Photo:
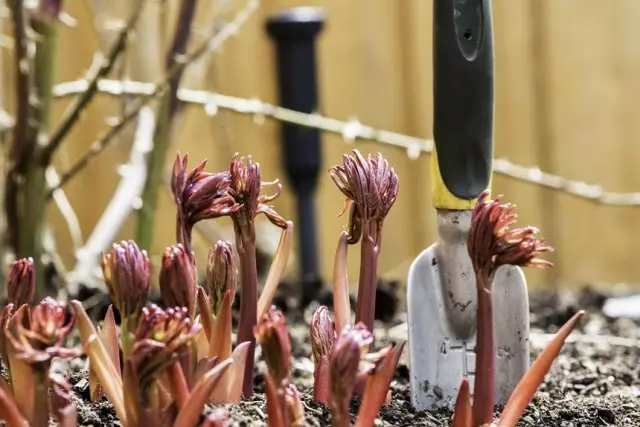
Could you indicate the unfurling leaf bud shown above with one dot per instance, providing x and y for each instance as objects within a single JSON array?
[
  {"x": 178, "y": 279},
  {"x": 323, "y": 333},
  {"x": 273, "y": 336},
  {"x": 245, "y": 188},
  {"x": 492, "y": 243},
  {"x": 21, "y": 286},
  {"x": 198, "y": 195},
  {"x": 347, "y": 366},
  {"x": 41, "y": 337},
  {"x": 126, "y": 271},
  {"x": 344, "y": 360},
  {"x": 371, "y": 186},
  {"x": 222, "y": 273},
  {"x": 161, "y": 338}
]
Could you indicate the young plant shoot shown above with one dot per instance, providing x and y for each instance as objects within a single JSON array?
[
  {"x": 322, "y": 336},
  {"x": 491, "y": 244},
  {"x": 215, "y": 314},
  {"x": 284, "y": 407},
  {"x": 350, "y": 363},
  {"x": 371, "y": 188},
  {"x": 35, "y": 336},
  {"x": 126, "y": 271},
  {"x": 245, "y": 189},
  {"x": 21, "y": 287}
]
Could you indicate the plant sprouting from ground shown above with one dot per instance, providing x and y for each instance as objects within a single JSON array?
[
  {"x": 284, "y": 406},
  {"x": 322, "y": 335},
  {"x": 492, "y": 244},
  {"x": 127, "y": 271},
  {"x": 35, "y": 336},
  {"x": 178, "y": 278},
  {"x": 215, "y": 314},
  {"x": 21, "y": 286},
  {"x": 350, "y": 364},
  {"x": 371, "y": 188}
]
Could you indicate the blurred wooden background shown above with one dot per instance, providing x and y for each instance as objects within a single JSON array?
[{"x": 567, "y": 100}]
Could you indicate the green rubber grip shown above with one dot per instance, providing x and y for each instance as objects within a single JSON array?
[{"x": 463, "y": 85}]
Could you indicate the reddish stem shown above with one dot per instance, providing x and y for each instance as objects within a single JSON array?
[
  {"x": 366, "y": 303},
  {"x": 321, "y": 390},
  {"x": 248, "y": 304},
  {"x": 340, "y": 414},
  {"x": 276, "y": 417},
  {"x": 483, "y": 390},
  {"x": 341, "y": 303}
]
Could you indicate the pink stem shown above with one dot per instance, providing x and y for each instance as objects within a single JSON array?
[
  {"x": 321, "y": 381},
  {"x": 248, "y": 306},
  {"x": 483, "y": 390},
  {"x": 366, "y": 303},
  {"x": 340, "y": 414}
]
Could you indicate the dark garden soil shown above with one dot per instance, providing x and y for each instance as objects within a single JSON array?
[{"x": 594, "y": 382}]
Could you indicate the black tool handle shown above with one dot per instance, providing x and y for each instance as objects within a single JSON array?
[
  {"x": 294, "y": 32},
  {"x": 463, "y": 85}
]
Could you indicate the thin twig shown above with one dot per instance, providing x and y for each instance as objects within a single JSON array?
[
  {"x": 168, "y": 118},
  {"x": 352, "y": 130},
  {"x": 211, "y": 45},
  {"x": 100, "y": 69},
  {"x": 21, "y": 126},
  {"x": 178, "y": 49}
]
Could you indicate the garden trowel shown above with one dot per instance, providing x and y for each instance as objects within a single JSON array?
[{"x": 441, "y": 284}]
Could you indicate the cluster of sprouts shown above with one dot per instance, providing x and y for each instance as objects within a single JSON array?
[{"x": 162, "y": 365}]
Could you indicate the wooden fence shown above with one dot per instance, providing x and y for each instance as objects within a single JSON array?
[{"x": 567, "y": 100}]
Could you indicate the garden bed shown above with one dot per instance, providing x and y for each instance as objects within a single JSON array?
[{"x": 594, "y": 382}]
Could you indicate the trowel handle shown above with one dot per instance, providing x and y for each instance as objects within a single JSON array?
[{"x": 463, "y": 92}]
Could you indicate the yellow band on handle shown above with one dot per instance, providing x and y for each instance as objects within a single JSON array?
[{"x": 442, "y": 197}]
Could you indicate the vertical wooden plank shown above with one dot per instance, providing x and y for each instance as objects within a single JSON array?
[
  {"x": 585, "y": 94},
  {"x": 417, "y": 48},
  {"x": 517, "y": 118}
]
